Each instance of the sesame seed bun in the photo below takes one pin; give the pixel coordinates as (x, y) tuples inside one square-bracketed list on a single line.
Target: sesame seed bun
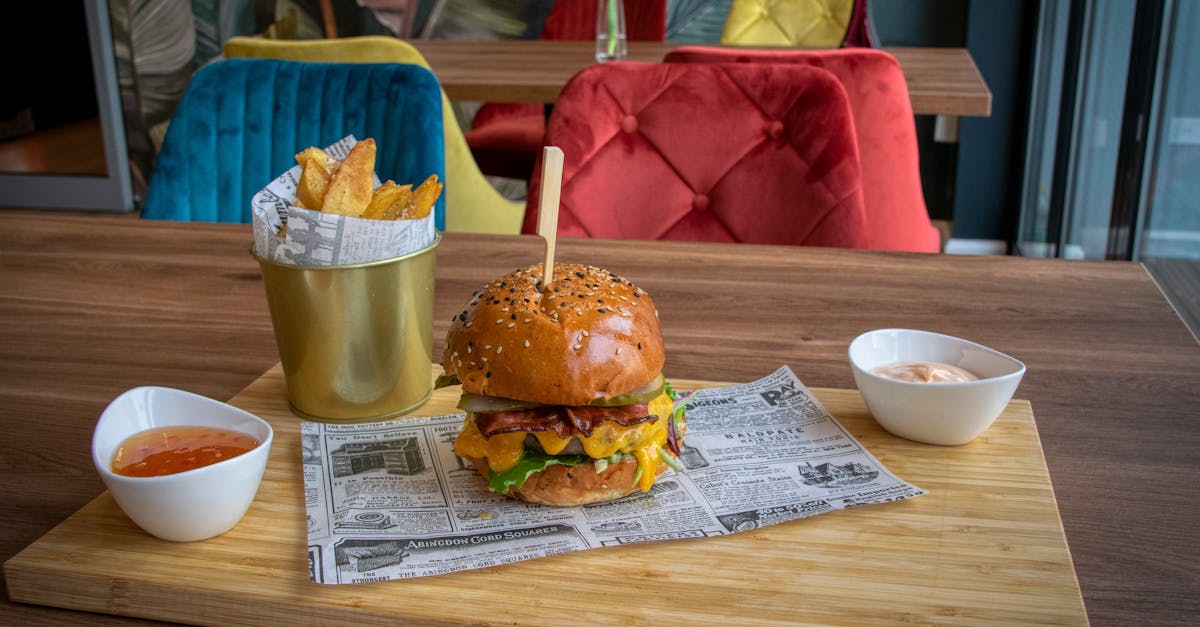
[(592, 335)]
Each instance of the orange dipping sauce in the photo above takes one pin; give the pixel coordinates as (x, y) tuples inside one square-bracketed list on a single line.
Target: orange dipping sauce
[(169, 450)]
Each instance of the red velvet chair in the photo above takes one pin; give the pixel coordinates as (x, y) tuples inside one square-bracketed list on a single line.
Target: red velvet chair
[(506, 138), (897, 218), (756, 153)]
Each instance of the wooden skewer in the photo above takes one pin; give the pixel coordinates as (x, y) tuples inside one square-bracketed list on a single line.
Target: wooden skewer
[(547, 226)]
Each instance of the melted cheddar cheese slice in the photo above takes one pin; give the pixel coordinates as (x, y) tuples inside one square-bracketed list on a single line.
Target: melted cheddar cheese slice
[(643, 441)]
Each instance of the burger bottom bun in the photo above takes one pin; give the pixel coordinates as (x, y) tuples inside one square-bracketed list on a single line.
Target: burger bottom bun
[(575, 485)]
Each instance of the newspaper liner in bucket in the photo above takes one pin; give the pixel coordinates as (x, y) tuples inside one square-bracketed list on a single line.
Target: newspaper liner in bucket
[(392, 500), (314, 238)]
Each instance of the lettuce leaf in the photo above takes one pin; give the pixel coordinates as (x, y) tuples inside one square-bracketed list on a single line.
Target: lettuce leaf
[(532, 462)]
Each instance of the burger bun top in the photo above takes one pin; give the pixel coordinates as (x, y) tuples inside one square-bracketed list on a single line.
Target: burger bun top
[(591, 335)]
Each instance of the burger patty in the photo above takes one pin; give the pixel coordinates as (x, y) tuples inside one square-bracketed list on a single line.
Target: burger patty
[(565, 421)]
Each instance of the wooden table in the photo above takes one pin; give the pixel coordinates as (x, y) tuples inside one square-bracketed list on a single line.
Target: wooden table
[(941, 81), (91, 306)]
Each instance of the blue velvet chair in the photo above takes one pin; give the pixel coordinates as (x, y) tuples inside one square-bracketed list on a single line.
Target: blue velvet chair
[(242, 121)]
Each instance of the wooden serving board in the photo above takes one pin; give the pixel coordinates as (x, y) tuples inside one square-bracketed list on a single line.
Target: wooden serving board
[(985, 546)]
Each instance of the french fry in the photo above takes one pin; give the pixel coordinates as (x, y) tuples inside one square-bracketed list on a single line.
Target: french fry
[(389, 202), (316, 169), (423, 199), (349, 190)]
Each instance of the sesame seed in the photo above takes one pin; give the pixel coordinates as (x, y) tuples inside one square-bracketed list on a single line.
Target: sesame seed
[(526, 343), (468, 349), (618, 350), (504, 309), (467, 325), (527, 320), (577, 346), (585, 333), (485, 358), (499, 349), (501, 320), (578, 312), (512, 324)]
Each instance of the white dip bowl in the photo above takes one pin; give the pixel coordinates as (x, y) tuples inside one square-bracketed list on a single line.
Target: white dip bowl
[(934, 413), (195, 504)]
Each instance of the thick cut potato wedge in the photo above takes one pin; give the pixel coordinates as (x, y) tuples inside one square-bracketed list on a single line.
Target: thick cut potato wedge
[(317, 169), (349, 191), (423, 199), (389, 202)]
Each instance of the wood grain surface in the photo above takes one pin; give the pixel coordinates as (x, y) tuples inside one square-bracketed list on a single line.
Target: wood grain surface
[(985, 546), (92, 306), (941, 81)]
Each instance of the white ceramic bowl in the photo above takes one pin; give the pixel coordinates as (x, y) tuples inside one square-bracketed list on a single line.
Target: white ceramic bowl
[(935, 413), (191, 505)]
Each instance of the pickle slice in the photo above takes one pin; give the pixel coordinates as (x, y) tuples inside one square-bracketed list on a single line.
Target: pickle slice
[(445, 380), (644, 394), (480, 404)]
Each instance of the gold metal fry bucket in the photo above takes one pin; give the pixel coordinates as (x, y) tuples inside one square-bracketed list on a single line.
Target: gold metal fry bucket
[(356, 340)]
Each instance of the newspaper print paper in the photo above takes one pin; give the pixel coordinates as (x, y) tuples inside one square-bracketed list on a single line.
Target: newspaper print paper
[(391, 500), (314, 238)]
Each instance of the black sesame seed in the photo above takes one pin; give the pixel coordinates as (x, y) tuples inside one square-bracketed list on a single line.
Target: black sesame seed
[(579, 274), (470, 342), (513, 317), (488, 374), (600, 310), (600, 300), (639, 346)]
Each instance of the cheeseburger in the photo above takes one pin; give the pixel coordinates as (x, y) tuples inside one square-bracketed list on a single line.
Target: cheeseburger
[(563, 387)]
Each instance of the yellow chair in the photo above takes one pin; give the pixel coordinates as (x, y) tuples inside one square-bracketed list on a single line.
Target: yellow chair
[(808, 23), (472, 204)]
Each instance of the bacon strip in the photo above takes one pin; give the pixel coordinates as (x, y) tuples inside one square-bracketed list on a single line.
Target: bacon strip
[(564, 421)]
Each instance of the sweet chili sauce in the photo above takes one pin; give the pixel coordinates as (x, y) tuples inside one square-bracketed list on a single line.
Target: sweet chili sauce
[(169, 450)]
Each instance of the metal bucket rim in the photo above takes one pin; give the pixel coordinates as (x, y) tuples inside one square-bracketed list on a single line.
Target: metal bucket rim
[(437, 239)]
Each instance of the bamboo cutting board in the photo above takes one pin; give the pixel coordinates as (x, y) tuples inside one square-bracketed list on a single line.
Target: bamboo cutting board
[(985, 546)]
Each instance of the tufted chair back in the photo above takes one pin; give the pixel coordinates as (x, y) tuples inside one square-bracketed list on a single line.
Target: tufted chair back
[(506, 138), (897, 218), (241, 122), (807, 23), (472, 204), (730, 153)]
